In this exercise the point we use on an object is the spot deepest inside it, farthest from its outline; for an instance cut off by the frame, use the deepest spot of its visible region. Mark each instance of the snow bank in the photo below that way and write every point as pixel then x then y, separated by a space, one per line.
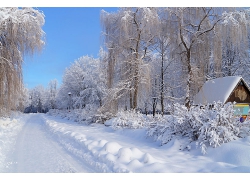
pixel 9 129
pixel 128 150
pixel 102 155
pixel 233 153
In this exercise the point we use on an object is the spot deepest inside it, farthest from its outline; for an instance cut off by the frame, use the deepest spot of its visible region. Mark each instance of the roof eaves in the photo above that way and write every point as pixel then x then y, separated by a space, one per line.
pixel 241 79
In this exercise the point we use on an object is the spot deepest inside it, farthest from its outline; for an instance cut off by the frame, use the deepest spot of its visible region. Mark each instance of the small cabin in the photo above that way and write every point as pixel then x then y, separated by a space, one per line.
pixel 225 89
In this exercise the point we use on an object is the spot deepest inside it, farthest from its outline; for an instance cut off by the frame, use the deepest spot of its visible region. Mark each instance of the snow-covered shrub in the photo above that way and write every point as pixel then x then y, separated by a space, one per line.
pixel 129 119
pixel 77 115
pixel 102 117
pixel 208 126
pixel 159 129
pixel 57 112
pixel 219 125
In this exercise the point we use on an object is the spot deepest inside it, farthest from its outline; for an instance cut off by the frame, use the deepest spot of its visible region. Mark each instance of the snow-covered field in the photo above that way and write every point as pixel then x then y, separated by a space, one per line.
pixel 43 143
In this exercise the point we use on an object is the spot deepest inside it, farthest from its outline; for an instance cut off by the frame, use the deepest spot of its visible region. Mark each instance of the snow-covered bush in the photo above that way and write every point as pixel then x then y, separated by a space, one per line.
pixel 129 119
pixel 207 126
pixel 159 129
pixel 77 115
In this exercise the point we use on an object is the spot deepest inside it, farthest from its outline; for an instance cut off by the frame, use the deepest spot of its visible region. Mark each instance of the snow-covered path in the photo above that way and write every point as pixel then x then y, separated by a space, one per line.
pixel 36 151
pixel 53 144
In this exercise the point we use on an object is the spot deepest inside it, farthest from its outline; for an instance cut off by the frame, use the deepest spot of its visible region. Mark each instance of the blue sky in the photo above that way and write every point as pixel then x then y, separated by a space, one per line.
pixel 71 32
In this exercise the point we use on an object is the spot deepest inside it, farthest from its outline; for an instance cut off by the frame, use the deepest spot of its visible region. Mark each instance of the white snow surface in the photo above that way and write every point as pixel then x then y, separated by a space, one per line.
pixel 215 90
pixel 42 143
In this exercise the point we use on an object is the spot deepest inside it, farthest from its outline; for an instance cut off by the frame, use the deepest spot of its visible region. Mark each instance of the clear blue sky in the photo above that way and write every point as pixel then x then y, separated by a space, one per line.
pixel 71 32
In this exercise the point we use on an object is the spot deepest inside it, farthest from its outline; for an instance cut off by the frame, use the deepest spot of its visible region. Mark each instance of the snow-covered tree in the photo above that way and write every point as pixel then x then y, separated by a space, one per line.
pixel 52 92
pixel 167 76
pixel 20 33
pixel 23 100
pixel 129 37
pixel 38 99
pixel 84 81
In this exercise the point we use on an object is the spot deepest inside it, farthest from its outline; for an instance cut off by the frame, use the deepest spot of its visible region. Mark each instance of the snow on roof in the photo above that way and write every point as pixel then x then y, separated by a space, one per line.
pixel 218 89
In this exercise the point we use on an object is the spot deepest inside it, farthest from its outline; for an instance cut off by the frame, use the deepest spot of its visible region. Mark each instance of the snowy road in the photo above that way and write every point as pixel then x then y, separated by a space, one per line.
pixel 36 151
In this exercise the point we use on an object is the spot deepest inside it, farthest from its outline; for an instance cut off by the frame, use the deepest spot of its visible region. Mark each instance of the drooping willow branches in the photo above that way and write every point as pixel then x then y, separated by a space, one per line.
pixel 20 33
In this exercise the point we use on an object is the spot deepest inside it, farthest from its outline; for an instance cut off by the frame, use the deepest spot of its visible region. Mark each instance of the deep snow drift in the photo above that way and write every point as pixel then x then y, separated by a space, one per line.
pixel 99 148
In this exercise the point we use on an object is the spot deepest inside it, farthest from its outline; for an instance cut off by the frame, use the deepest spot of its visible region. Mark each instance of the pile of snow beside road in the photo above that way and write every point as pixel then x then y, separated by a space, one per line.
pixel 9 129
pixel 101 154
pixel 127 150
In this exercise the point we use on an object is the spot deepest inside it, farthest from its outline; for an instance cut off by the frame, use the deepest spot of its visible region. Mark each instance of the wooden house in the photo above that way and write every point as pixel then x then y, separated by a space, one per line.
pixel 226 89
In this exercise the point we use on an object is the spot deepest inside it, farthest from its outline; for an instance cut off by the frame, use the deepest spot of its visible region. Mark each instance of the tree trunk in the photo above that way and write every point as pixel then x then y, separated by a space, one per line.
pixel 136 90
pixel 189 80
pixel 162 86
pixel 131 99
pixel 154 107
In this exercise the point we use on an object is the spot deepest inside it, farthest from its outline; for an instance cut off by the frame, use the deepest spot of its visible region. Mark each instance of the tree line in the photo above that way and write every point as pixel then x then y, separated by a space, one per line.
pixel 159 56
pixel 151 58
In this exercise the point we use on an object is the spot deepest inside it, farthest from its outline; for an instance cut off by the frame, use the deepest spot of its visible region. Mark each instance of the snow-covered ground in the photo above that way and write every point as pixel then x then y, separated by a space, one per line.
pixel 43 143
pixel 9 129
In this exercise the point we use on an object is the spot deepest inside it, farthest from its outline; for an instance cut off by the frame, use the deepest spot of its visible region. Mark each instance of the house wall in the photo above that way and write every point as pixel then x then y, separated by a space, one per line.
pixel 240 94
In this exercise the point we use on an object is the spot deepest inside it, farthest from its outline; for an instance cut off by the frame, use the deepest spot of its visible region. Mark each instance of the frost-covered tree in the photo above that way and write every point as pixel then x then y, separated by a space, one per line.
pixel 23 100
pixel 20 33
pixel 235 53
pixel 167 70
pixel 166 82
pixel 37 99
pixel 84 81
pixel 129 37
pixel 51 93
pixel 40 99
pixel 163 42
